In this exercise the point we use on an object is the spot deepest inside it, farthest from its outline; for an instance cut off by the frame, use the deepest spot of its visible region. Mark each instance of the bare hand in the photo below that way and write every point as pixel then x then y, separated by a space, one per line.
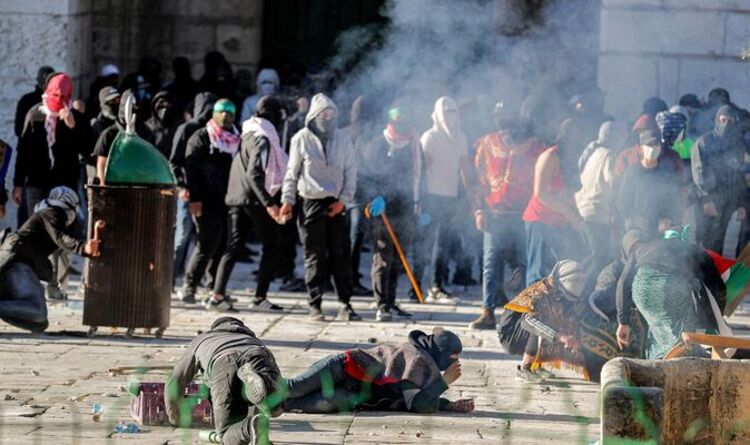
pixel 174 414
pixel 2 211
pixel 67 117
pixel 273 211
pixel 741 214
pixel 623 336
pixel 335 208
pixel 664 224
pixel 461 406
pixel 285 214
pixel 17 192
pixel 92 248
pixel 709 209
pixel 480 221
pixel 569 342
pixel 196 209
pixel 183 194
pixel 452 373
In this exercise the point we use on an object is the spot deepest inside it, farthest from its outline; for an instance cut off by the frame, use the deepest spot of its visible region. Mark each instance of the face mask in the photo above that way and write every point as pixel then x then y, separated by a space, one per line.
pixel 651 152
pixel 324 125
pixel 267 89
pixel 451 120
pixel 164 113
pixel 224 120
pixel 110 110
pixel 722 127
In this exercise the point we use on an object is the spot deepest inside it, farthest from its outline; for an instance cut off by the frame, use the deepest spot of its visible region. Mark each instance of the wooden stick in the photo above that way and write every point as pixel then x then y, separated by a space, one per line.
pixel 715 341
pixel 404 261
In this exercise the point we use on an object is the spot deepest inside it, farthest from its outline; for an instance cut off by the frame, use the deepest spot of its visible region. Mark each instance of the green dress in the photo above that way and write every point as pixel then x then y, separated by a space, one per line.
pixel 666 303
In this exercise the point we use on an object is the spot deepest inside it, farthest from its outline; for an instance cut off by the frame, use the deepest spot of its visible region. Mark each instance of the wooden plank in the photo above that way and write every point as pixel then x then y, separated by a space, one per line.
pixel 716 341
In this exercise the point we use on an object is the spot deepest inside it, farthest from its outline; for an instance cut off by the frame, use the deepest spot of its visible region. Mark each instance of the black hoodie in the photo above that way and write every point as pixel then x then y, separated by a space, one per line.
pixel 105 140
pixel 202 111
pixel 163 132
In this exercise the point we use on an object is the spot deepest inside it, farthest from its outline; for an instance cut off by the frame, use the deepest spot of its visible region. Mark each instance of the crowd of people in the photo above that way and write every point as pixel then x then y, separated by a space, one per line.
pixel 575 215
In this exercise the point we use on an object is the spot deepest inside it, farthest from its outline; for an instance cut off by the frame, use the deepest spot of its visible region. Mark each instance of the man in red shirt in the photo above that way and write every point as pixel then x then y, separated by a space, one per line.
pixel 505 162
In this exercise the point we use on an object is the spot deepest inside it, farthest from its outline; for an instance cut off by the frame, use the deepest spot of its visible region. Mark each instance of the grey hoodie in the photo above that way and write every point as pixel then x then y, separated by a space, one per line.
pixel 316 173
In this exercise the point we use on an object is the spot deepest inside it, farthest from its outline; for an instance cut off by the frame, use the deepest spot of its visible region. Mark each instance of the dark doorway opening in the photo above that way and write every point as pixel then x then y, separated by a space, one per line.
pixel 301 35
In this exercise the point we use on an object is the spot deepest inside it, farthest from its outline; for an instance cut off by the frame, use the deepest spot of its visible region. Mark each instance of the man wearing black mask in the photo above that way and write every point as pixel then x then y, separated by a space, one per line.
pixel 32 98
pixel 716 160
pixel 163 121
pixel 409 377
pixel 253 198
pixel 322 171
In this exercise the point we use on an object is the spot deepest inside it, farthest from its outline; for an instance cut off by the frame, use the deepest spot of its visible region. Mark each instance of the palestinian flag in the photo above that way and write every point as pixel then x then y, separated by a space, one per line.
pixel 736 276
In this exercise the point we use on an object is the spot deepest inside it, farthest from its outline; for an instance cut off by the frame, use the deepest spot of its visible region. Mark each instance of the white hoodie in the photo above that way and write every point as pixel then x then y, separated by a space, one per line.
pixel 443 145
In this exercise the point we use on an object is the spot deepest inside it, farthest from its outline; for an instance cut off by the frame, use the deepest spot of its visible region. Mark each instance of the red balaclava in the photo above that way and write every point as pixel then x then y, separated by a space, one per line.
pixel 58 92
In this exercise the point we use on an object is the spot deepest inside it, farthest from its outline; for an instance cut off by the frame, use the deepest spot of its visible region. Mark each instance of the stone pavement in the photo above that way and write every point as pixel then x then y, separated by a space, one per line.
pixel 48 383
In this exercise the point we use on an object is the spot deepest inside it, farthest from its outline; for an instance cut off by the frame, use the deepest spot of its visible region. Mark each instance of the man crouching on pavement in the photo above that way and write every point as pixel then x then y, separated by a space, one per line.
pixel 411 376
pixel 240 372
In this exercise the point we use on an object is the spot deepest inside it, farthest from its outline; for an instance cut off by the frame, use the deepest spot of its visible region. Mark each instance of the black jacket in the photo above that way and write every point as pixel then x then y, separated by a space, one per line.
pixel 27 101
pixel 247 177
pixel 203 108
pixel 33 167
pixel 392 175
pixel 206 173
pixel 646 196
pixel 161 132
pixel 41 235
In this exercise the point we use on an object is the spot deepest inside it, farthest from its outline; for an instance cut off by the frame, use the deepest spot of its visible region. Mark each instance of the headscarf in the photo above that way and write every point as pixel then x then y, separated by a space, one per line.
pixel 63 198
pixel 569 277
pixel 612 134
pixel 670 125
pixel 440 345
pixel 438 118
pixel 57 95
pixel 277 158
pixel 226 141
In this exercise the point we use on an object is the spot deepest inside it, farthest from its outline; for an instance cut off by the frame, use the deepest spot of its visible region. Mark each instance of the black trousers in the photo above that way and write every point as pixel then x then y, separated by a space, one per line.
pixel 712 230
pixel 232 413
pixel 211 235
pixel 288 247
pixel 240 221
pixel 325 241
pixel 386 264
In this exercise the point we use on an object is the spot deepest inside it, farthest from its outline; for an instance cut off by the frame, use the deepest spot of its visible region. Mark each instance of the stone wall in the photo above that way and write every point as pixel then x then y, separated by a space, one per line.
pixel 671 47
pixel 36 33
pixel 125 30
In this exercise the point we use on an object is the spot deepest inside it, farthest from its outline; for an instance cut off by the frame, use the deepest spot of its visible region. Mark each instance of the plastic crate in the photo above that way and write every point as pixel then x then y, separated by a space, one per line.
pixel 147 408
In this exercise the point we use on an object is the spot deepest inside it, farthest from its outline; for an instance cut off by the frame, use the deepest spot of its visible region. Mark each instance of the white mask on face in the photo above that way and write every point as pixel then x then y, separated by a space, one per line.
pixel 651 152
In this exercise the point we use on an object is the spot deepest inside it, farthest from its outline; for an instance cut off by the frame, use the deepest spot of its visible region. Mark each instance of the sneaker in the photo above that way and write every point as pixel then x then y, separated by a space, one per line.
pixel 220 306
pixel 399 313
pixel 545 374
pixel 360 291
pixel 438 295
pixel 293 285
pixel 264 305
pixel 316 314
pixel 187 296
pixel 413 296
pixel 383 314
pixel 346 313
pixel 54 293
pixel 526 375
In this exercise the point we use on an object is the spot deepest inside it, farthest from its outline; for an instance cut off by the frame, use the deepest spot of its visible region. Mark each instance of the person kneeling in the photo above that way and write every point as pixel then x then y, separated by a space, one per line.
pixel 24 258
pixel 241 374
pixel 404 377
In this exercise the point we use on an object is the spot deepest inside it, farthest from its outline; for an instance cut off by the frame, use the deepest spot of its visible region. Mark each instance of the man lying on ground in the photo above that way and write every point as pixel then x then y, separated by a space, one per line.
pixel 240 372
pixel 410 376
pixel 24 258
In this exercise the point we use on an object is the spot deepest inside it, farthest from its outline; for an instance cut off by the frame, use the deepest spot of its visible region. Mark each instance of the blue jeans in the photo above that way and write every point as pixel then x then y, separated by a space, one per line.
pixel 184 231
pixel 503 244
pixel 315 391
pixel 545 246
pixel 434 239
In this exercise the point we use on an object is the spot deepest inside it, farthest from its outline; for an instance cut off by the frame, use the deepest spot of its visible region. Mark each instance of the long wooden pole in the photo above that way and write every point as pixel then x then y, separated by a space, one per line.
pixel 401 255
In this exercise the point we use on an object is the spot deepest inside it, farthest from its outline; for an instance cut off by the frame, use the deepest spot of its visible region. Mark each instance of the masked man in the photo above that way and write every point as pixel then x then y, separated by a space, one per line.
pixel 322 171
pixel 208 160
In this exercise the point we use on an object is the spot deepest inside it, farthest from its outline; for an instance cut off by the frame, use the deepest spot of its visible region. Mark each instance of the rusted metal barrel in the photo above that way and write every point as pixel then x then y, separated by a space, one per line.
pixel 130 283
